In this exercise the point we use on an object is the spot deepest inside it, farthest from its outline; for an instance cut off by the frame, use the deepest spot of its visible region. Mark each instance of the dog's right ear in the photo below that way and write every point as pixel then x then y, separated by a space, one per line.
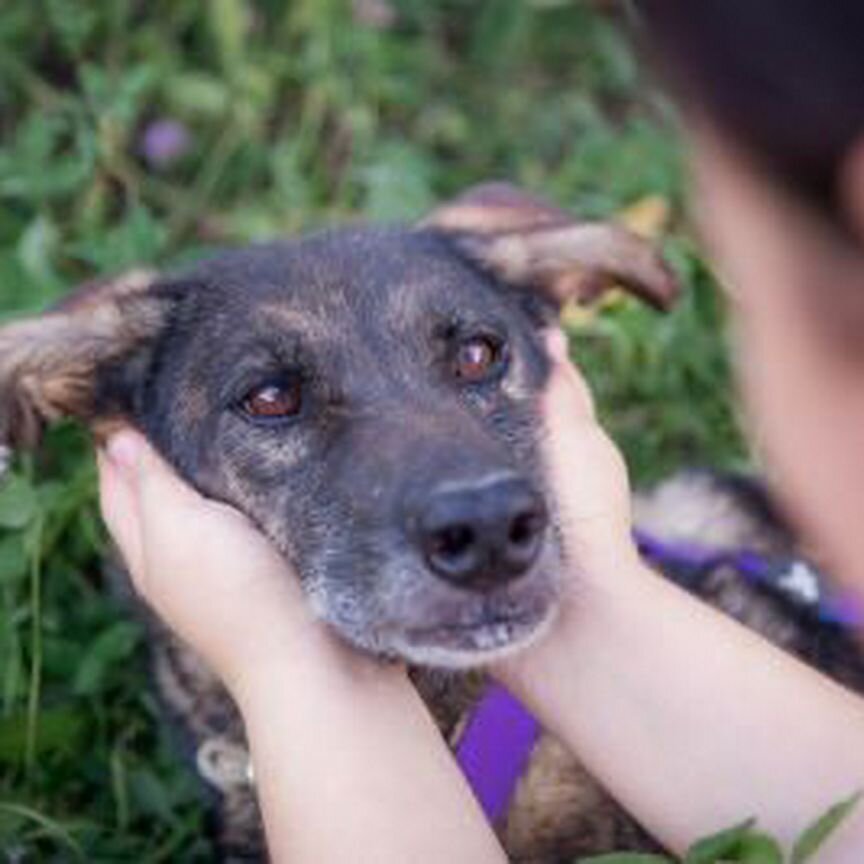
pixel 49 365
pixel 529 243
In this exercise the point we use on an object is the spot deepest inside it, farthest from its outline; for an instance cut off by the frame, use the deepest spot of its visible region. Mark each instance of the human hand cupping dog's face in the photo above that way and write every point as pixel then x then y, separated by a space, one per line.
pixel 209 573
pixel 587 475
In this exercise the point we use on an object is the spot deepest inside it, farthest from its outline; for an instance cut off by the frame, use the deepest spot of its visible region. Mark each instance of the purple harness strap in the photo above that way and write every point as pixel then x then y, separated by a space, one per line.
pixel 501 733
pixel 793 578
pixel 495 748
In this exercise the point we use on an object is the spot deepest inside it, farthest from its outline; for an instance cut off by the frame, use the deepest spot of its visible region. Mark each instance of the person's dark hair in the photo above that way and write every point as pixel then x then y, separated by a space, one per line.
pixel 784 79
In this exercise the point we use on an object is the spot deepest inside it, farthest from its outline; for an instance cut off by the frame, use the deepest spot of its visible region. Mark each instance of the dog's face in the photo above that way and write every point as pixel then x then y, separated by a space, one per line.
pixel 368 397
pixel 371 404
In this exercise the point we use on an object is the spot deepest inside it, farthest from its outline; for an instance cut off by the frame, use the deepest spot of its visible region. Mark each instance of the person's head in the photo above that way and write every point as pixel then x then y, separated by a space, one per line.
pixel 773 100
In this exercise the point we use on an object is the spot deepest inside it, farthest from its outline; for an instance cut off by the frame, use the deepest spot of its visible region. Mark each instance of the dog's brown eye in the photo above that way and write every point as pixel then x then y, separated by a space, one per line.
pixel 477 358
pixel 274 400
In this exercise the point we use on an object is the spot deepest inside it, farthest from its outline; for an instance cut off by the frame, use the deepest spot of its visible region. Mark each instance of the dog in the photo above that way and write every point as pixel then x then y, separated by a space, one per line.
pixel 373 408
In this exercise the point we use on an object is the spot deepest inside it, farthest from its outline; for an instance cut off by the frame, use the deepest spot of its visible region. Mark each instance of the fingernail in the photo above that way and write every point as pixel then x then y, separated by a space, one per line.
pixel 123 450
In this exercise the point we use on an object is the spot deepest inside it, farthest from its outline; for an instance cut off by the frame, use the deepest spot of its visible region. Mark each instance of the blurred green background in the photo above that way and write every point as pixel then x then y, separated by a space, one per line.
pixel 135 131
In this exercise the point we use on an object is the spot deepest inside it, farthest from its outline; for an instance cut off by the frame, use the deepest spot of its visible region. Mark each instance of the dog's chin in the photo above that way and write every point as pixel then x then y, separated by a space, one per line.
pixel 471 646
pixel 421 620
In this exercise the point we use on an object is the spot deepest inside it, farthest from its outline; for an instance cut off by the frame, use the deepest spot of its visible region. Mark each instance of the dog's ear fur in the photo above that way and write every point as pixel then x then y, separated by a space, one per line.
pixel 528 242
pixel 49 364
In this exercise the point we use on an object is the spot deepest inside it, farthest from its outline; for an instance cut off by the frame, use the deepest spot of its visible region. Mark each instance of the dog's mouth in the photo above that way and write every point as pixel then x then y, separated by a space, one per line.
pixel 418 618
pixel 488 638
pixel 484 634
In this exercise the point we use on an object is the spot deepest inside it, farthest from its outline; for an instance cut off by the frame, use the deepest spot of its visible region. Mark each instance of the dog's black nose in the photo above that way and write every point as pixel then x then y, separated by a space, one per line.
pixel 481 535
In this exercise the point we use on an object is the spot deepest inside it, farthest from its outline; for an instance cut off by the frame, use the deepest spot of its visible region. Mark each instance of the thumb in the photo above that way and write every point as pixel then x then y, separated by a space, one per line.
pixel 149 510
pixel 182 531
pixel 585 469
pixel 567 397
pixel 156 485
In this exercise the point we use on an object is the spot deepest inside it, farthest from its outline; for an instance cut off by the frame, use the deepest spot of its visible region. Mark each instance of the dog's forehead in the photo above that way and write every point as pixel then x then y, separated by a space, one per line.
pixel 377 274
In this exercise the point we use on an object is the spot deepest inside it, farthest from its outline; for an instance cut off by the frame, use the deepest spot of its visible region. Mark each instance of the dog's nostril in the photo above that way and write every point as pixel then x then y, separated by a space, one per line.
pixel 454 541
pixel 525 528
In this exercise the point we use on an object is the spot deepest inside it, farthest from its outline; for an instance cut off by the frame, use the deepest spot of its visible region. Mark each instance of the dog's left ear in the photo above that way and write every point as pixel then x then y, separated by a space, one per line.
pixel 49 365
pixel 528 242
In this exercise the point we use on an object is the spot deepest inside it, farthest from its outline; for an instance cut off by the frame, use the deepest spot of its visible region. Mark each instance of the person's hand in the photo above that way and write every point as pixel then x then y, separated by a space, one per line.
pixel 207 571
pixel 331 730
pixel 588 481
pixel 586 473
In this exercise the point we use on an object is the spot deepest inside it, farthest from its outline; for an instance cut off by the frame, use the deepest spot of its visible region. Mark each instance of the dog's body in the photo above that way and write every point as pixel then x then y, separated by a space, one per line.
pixel 369 399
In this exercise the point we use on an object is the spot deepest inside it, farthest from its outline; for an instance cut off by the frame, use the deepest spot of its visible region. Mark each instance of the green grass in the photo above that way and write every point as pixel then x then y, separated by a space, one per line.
pixel 298 117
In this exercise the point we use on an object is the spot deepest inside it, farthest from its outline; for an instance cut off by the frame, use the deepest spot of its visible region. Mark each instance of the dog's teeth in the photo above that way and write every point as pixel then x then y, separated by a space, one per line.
pixel 494 636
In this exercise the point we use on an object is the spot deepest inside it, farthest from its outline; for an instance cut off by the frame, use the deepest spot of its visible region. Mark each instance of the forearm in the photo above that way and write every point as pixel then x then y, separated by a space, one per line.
pixel 691 721
pixel 349 767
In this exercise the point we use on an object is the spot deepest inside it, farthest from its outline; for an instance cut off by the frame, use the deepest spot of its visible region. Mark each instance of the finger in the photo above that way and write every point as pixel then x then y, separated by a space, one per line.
pixel 181 529
pixel 170 534
pixel 152 478
pixel 173 516
pixel 119 506
pixel 163 494
pixel 170 506
pixel 567 394
pixel 556 343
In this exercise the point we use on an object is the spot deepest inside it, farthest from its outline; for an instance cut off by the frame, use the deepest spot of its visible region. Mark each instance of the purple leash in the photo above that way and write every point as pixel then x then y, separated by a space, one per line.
pixel 494 750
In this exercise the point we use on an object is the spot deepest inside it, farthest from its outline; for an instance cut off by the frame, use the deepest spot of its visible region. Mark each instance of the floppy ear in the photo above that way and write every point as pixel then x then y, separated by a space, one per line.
pixel 49 364
pixel 528 242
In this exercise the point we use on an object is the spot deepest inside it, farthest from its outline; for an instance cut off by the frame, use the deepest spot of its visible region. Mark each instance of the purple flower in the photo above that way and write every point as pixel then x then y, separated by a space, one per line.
pixel 376 14
pixel 163 142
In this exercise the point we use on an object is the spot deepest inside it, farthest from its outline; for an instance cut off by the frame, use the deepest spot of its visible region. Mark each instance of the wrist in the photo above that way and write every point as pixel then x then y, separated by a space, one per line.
pixel 605 559
pixel 599 594
pixel 320 665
